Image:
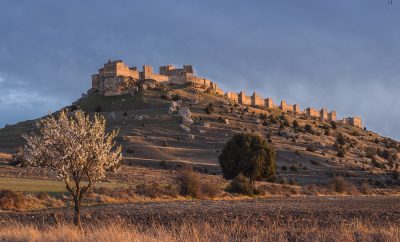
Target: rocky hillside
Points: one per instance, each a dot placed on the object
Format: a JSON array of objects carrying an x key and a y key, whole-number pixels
[{"x": 182, "y": 125}]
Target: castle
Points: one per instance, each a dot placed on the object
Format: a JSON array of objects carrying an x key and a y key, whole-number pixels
[{"x": 116, "y": 78}]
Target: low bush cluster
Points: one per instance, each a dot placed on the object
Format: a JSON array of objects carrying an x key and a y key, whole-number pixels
[
  {"x": 241, "y": 185},
  {"x": 191, "y": 184},
  {"x": 340, "y": 185}
]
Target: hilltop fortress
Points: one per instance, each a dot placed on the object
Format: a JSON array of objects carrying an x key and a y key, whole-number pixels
[{"x": 116, "y": 78}]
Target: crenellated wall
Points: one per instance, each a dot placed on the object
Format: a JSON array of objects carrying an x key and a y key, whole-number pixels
[
  {"x": 116, "y": 78},
  {"x": 243, "y": 99},
  {"x": 257, "y": 100},
  {"x": 353, "y": 121},
  {"x": 269, "y": 103},
  {"x": 232, "y": 96}
]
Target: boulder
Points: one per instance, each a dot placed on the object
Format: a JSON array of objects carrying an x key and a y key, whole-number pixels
[
  {"x": 205, "y": 124},
  {"x": 226, "y": 121},
  {"x": 187, "y": 121},
  {"x": 194, "y": 100},
  {"x": 111, "y": 115},
  {"x": 190, "y": 136},
  {"x": 184, "y": 128},
  {"x": 173, "y": 107},
  {"x": 185, "y": 112},
  {"x": 171, "y": 110},
  {"x": 141, "y": 117}
]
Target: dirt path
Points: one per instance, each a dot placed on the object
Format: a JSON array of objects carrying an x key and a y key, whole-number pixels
[{"x": 324, "y": 210}]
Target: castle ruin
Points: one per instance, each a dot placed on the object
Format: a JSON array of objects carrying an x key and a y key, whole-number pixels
[{"x": 116, "y": 78}]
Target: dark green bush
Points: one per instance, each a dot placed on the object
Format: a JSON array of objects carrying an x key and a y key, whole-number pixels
[
  {"x": 295, "y": 124},
  {"x": 249, "y": 154},
  {"x": 210, "y": 108},
  {"x": 308, "y": 128},
  {"x": 310, "y": 148},
  {"x": 333, "y": 125},
  {"x": 98, "y": 109},
  {"x": 341, "y": 139},
  {"x": 341, "y": 152}
]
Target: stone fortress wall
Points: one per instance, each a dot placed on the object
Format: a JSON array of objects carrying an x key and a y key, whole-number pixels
[
  {"x": 116, "y": 77},
  {"x": 257, "y": 101}
]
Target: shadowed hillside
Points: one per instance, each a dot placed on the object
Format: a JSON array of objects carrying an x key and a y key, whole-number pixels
[{"x": 308, "y": 150}]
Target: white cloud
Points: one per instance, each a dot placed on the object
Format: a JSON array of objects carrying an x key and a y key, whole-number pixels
[{"x": 21, "y": 97}]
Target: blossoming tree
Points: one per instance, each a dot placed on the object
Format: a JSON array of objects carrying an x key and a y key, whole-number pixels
[{"x": 77, "y": 148}]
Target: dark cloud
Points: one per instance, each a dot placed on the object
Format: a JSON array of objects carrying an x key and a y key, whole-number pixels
[{"x": 337, "y": 54}]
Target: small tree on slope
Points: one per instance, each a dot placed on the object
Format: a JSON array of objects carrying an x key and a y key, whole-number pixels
[
  {"x": 250, "y": 155},
  {"x": 77, "y": 149}
]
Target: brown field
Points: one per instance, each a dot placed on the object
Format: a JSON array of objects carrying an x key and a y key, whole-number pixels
[{"x": 369, "y": 218}]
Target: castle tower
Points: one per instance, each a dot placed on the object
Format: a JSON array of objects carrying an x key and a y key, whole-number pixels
[
  {"x": 243, "y": 99},
  {"x": 268, "y": 103},
  {"x": 296, "y": 108},
  {"x": 283, "y": 106},
  {"x": 332, "y": 116},
  {"x": 256, "y": 100},
  {"x": 324, "y": 114},
  {"x": 147, "y": 72}
]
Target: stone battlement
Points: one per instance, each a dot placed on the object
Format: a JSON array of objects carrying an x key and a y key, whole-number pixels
[
  {"x": 256, "y": 100},
  {"x": 116, "y": 78}
]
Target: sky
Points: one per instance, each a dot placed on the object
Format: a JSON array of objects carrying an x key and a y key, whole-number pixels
[{"x": 342, "y": 55}]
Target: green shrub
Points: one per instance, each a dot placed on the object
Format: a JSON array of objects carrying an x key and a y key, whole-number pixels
[
  {"x": 377, "y": 164},
  {"x": 163, "y": 164},
  {"x": 395, "y": 175},
  {"x": 295, "y": 124},
  {"x": 210, "y": 108},
  {"x": 341, "y": 139},
  {"x": 310, "y": 148},
  {"x": 308, "y": 128},
  {"x": 341, "y": 152},
  {"x": 176, "y": 97},
  {"x": 98, "y": 109},
  {"x": 249, "y": 154},
  {"x": 370, "y": 151},
  {"x": 333, "y": 125}
]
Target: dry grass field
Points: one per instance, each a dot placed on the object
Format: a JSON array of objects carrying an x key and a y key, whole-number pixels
[
  {"x": 120, "y": 232},
  {"x": 275, "y": 219}
]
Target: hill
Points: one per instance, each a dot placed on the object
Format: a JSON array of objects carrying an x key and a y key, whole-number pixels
[{"x": 309, "y": 151}]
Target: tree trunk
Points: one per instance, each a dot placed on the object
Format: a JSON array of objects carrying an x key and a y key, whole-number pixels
[{"x": 77, "y": 215}]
